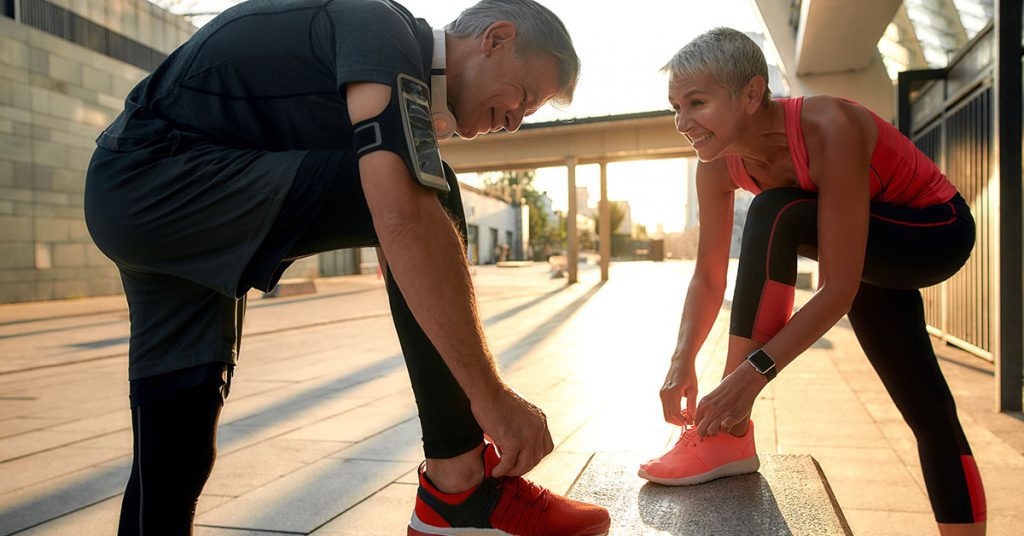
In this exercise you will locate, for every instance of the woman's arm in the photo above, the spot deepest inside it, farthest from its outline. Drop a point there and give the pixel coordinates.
(707, 287)
(840, 138)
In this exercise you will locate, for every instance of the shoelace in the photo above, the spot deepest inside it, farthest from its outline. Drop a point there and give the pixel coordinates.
(689, 436)
(523, 488)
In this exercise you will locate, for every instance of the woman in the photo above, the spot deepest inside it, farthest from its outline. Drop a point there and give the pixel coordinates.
(833, 182)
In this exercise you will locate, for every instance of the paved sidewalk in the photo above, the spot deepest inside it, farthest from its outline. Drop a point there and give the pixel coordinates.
(320, 437)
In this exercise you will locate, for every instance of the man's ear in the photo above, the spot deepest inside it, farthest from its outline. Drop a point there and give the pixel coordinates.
(499, 34)
(753, 93)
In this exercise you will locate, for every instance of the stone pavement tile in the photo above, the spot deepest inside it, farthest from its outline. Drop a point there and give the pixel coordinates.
(246, 469)
(20, 425)
(400, 443)
(99, 519)
(763, 416)
(559, 470)
(48, 500)
(41, 467)
(385, 513)
(219, 531)
(119, 440)
(360, 422)
(854, 492)
(1003, 490)
(306, 499)
(22, 445)
(890, 523)
(807, 430)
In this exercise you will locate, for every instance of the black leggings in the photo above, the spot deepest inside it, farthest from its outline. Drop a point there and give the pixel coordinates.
(175, 420)
(907, 249)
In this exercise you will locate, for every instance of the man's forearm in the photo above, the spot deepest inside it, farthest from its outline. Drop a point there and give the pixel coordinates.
(428, 262)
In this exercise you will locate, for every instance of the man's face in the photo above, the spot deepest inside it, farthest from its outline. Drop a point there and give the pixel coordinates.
(498, 89)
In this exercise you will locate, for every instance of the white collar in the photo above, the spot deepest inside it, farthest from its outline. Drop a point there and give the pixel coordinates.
(438, 83)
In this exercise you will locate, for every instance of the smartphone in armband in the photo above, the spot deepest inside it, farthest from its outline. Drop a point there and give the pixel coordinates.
(414, 102)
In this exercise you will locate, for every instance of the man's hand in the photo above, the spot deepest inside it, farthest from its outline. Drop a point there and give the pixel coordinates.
(518, 428)
(730, 402)
(680, 382)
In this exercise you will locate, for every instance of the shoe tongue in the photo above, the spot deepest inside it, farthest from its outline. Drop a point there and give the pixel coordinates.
(491, 459)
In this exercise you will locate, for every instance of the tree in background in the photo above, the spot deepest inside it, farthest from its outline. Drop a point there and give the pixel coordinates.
(617, 214)
(547, 233)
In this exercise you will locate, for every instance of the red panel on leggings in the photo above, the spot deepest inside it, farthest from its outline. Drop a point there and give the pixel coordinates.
(900, 173)
(974, 487)
(773, 311)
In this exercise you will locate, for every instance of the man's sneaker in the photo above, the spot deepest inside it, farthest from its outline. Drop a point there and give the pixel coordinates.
(695, 459)
(505, 505)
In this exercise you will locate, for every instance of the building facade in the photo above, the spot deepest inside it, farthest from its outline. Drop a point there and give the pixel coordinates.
(65, 69)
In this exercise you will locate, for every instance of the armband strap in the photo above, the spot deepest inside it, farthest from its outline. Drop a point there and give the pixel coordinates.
(405, 128)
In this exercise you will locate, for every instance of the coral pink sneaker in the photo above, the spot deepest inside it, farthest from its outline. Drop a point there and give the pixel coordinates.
(695, 459)
(503, 506)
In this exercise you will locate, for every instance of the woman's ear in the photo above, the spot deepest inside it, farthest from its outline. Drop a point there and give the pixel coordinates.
(753, 93)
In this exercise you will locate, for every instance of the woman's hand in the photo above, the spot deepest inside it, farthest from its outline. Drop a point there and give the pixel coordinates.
(730, 403)
(680, 382)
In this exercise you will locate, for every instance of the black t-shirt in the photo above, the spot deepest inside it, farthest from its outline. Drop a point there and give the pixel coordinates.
(270, 74)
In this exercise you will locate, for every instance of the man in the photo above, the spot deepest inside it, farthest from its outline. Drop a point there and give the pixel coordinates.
(283, 129)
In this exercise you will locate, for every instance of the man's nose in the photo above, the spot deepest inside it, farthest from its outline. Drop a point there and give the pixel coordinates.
(514, 119)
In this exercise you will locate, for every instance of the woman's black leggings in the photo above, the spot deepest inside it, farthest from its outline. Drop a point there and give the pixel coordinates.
(907, 249)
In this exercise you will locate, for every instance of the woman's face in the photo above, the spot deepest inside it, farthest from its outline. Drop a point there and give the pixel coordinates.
(707, 114)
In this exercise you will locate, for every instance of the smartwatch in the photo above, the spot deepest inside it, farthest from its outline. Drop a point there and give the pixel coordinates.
(763, 363)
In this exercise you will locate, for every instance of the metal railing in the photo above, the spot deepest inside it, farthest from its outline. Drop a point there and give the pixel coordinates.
(949, 114)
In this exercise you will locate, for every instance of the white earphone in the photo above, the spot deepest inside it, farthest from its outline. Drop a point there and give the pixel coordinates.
(444, 121)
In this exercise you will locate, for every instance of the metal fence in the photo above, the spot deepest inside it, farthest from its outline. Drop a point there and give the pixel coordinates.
(949, 114)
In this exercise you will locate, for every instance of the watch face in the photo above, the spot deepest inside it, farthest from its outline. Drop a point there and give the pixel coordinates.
(761, 361)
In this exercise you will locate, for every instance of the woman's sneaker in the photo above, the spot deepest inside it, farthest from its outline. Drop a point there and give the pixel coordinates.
(505, 505)
(695, 459)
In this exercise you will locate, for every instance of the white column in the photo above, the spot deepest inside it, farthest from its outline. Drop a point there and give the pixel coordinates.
(604, 233)
(572, 256)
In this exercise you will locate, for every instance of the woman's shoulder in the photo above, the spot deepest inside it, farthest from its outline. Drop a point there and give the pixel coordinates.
(825, 119)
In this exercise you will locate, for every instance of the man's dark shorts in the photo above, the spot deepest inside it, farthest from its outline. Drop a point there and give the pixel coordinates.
(193, 226)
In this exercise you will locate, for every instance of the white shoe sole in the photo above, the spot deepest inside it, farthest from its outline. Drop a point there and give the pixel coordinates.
(421, 527)
(739, 467)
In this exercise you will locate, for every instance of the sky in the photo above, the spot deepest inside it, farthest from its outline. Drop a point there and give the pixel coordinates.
(622, 47)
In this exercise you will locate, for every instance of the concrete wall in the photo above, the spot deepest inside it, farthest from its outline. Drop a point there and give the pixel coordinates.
(55, 98)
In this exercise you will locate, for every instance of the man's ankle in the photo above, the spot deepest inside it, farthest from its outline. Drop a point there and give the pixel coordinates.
(458, 474)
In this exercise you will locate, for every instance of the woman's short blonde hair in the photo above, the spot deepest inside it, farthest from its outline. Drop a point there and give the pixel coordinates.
(728, 55)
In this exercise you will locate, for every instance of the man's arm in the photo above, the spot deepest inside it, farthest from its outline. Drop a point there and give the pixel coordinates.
(427, 260)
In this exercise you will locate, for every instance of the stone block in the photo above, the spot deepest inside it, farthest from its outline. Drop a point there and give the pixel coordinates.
(64, 69)
(68, 180)
(68, 255)
(15, 148)
(6, 207)
(44, 255)
(6, 126)
(788, 496)
(14, 114)
(38, 61)
(48, 152)
(38, 100)
(15, 228)
(96, 80)
(7, 168)
(52, 230)
(17, 255)
(63, 106)
(15, 94)
(13, 53)
(14, 74)
(23, 176)
(52, 198)
(70, 289)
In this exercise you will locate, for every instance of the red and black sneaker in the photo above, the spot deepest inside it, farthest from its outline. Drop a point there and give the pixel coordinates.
(505, 505)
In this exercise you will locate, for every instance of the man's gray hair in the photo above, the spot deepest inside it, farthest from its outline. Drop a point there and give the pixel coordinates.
(538, 31)
(728, 55)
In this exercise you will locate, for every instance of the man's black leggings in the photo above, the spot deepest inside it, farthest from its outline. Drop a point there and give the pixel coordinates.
(175, 416)
(907, 249)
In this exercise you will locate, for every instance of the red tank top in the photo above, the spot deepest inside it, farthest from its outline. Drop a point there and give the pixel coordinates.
(900, 173)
